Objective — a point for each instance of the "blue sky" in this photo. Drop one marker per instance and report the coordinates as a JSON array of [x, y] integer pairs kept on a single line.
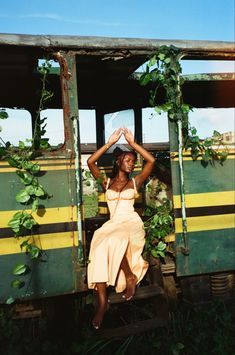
[[172, 19]]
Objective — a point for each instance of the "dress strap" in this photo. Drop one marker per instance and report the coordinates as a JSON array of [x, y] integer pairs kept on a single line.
[[107, 185], [133, 179]]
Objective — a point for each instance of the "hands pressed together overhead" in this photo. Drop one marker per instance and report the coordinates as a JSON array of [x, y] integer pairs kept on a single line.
[[116, 135]]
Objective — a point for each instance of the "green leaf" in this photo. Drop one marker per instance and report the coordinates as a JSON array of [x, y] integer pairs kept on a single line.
[[193, 131], [19, 269], [145, 79], [10, 300], [208, 142], [31, 167], [14, 223], [154, 253], [161, 246], [17, 284], [24, 244], [160, 253], [34, 252], [35, 205], [167, 60], [21, 145], [24, 177], [29, 223], [152, 61], [14, 161], [155, 219], [195, 139], [30, 189], [22, 196], [35, 169], [216, 134], [88, 174], [158, 109], [185, 108], [42, 120], [176, 348], [39, 191], [44, 142], [3, 115], [161, 56]]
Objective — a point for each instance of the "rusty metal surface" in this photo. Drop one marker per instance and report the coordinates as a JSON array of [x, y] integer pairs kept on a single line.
[[122, 46]]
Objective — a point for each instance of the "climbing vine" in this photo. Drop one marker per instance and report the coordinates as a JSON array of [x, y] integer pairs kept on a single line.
[[22, 158], [163, 70], [158, 225]]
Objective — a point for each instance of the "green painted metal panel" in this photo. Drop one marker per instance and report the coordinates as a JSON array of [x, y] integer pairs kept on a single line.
[[54, 276], [209, 251], [60, 184], [199, 179]]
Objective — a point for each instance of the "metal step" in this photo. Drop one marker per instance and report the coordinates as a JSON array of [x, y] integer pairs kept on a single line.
[[133, 328], [142, 292]]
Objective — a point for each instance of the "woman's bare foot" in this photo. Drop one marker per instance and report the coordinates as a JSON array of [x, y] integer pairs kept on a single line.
[[98, 318], [130, 287]]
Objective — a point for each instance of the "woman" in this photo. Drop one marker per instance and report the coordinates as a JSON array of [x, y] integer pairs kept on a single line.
[[115, 253]]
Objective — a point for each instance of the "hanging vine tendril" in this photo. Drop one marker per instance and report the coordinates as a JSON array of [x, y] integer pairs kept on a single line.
[[163, 70]]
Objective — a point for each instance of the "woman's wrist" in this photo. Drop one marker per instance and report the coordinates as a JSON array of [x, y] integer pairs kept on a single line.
[[132, 143]]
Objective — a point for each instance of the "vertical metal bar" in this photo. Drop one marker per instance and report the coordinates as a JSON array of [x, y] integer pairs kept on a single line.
[[185, 249], [138, 125], [72, 112], [100, 129]]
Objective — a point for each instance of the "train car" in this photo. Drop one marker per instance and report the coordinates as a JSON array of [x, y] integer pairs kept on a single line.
[[99, 74]]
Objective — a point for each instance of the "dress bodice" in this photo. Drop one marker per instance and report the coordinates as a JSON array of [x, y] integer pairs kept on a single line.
[[121, 203]]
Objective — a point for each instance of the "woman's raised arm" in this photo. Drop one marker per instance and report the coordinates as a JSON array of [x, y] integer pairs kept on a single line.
[[92, 160]]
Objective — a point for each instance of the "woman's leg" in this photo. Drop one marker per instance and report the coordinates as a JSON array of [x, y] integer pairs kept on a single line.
[[131, 279], [101, 306]]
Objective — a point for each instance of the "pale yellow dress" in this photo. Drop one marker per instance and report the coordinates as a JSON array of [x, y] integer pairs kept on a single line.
[[123, 233]]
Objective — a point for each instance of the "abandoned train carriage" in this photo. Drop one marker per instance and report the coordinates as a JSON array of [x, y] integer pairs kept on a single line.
[[97, 73]]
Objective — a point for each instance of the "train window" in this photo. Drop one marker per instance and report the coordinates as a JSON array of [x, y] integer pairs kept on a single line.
[[54, 126], [207, 66], [118, 119], [11, 128], [155, 126], [87, 124], [206, 120]]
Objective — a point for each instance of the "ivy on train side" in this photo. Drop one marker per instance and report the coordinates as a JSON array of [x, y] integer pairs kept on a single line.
[[163, 71], [21, 158]]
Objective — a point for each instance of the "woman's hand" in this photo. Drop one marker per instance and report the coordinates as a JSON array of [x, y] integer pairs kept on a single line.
[[128, 136], [115, 136]]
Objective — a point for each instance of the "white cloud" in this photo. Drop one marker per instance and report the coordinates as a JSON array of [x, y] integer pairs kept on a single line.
[[56, 17]]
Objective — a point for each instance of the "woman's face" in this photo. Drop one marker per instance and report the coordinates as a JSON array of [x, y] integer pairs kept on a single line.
[[126, 162]]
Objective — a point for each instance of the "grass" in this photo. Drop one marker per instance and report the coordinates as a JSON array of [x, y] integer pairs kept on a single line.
[[66, 330]]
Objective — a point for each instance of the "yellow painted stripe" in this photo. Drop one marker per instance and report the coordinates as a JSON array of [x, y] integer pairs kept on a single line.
[[206, 199], [170, 238], [42, 168], [199, 158], [46, 161], [188, 152], [204, 223], [45, 216], [45, 242]]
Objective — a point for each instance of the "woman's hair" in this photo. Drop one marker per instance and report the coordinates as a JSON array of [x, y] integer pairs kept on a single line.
[[119, 153]]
